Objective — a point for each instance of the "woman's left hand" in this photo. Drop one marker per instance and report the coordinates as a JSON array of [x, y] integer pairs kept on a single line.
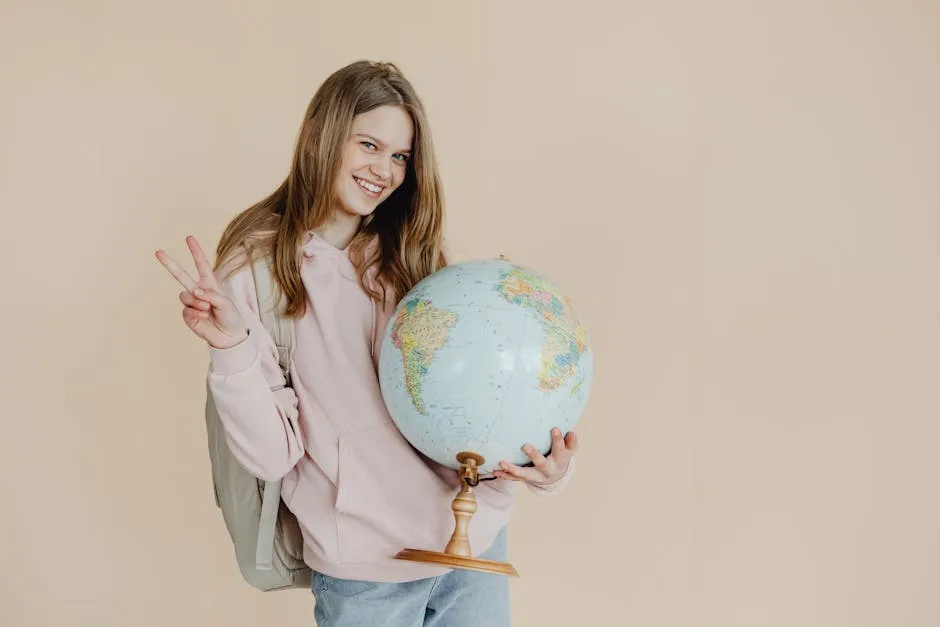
[[546, 470]]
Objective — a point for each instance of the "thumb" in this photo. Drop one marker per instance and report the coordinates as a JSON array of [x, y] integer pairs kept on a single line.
[[213, 297]]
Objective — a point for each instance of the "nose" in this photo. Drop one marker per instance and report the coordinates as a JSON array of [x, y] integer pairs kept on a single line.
[[381, 169]]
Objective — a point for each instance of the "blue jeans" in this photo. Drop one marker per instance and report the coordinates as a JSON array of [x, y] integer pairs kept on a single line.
[[460, 598]]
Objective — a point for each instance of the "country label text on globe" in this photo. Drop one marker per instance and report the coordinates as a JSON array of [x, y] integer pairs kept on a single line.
[[484, 356]]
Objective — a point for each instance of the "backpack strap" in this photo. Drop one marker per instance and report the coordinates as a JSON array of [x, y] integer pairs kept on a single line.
[[281, 329]]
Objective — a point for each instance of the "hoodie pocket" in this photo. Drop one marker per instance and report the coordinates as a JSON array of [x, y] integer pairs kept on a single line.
[[388, 497]]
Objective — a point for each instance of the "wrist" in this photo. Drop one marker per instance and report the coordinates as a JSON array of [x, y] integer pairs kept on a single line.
[[231, 342], [557, 481]]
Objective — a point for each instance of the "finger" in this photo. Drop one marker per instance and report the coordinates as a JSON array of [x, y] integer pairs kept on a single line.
[[561, 454], [499, 474], [558, 442], [211, 296], [189, 300], [572, 442], [202, 262], [192, 317], [176, 270], [537, 458], [523, 474]]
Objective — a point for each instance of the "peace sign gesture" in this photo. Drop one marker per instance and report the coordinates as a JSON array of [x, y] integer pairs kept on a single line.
[[206, 310]]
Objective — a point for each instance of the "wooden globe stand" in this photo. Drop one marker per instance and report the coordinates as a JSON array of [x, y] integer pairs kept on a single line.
[[457, 553]]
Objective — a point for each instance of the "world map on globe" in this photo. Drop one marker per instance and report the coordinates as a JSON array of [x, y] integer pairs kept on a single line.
[[484, 356]]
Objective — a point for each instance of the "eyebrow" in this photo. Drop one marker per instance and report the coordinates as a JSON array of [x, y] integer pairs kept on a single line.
[[378, 141]]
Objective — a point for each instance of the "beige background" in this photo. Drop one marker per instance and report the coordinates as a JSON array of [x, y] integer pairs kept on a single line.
[[740, 196]]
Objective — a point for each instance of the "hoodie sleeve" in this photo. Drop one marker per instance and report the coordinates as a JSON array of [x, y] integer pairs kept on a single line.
[[258, 411]]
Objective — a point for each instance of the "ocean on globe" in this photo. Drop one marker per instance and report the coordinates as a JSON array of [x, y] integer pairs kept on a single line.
[[484, 356]]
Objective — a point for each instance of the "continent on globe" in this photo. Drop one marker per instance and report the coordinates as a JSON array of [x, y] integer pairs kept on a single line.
[[419, 331], [484, 356], [565, 337]]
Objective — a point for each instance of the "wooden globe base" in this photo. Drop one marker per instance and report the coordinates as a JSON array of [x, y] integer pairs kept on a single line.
[[456, 561], [457, 553]]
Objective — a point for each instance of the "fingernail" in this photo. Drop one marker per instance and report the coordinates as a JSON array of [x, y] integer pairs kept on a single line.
[[198, 292]]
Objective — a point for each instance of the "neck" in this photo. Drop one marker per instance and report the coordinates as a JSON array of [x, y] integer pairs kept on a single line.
[[340, 230]]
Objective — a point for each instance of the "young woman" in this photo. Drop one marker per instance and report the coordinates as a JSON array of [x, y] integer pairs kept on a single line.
[[356, 224]]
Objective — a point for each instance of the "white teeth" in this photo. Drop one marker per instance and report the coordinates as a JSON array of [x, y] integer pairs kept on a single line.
[[375, 189]]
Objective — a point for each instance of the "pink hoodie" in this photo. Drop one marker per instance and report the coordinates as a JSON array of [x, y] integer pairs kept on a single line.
[[360, 492]]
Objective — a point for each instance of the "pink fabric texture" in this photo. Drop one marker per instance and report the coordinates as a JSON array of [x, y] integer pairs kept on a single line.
[[359, 490]]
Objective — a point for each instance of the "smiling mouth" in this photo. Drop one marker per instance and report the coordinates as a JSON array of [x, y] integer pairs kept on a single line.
[[369, 187]]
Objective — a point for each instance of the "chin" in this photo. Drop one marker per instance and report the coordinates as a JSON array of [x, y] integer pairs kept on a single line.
[[359, 210], [363, 209]]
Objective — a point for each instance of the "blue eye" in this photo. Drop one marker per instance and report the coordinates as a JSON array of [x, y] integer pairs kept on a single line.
[[401, 157], [368, 145]]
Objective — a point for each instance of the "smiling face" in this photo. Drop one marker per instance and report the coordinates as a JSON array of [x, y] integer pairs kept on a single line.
[[375, 159]]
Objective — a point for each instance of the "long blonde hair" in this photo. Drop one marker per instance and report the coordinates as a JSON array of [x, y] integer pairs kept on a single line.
[[408, 225]]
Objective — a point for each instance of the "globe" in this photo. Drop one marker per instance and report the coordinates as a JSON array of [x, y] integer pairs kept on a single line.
[[484, 356]]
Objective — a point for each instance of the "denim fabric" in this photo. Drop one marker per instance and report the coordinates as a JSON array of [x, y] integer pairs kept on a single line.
[[460, 598]]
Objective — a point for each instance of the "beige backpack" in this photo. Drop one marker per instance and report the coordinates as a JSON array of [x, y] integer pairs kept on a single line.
[[267, 539]]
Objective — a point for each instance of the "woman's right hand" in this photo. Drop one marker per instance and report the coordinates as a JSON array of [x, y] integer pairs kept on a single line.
[[206, 310]]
